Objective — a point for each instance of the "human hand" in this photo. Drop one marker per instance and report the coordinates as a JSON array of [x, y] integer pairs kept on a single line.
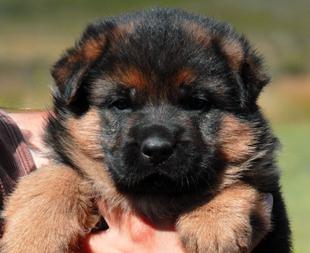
[[130, 233]]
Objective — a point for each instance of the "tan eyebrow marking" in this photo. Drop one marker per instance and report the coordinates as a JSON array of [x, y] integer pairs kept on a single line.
[[130, 76], [184, 76]]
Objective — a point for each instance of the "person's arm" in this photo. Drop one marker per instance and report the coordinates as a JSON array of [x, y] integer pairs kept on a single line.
[[15, 157]]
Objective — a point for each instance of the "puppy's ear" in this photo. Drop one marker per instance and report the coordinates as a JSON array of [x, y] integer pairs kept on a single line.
[[247, 67], [252, 78], [69, 71]]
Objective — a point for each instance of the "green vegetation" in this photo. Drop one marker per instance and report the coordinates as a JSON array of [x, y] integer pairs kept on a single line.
[[35, 32], [294, 162]]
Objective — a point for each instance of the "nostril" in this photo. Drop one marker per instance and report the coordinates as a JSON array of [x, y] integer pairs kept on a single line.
[[156, 149]]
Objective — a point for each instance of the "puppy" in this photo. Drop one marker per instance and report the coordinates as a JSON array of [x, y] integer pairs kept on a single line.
[[155, 112]]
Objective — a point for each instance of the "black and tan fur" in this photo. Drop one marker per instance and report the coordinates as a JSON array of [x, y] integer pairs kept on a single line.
[[193, 82]]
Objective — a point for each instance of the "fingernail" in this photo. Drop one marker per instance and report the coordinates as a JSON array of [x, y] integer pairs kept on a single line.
[[269, 201]]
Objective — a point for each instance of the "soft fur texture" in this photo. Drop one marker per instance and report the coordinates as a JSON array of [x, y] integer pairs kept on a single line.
[[160, 76]]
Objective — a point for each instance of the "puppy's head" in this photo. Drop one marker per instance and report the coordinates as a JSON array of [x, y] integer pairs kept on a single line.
[[164, 99]]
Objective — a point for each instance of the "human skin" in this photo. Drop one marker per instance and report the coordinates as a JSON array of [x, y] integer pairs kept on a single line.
[[130, 233], [127, 232]]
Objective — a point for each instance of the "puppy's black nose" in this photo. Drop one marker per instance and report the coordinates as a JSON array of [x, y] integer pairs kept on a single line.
[[157, 149]]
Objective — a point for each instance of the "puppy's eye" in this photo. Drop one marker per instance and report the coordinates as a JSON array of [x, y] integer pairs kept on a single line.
[[121, 104], [196, 103]]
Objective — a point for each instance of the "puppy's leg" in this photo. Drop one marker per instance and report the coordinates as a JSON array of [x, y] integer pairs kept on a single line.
[[47, 213], [234, 221]]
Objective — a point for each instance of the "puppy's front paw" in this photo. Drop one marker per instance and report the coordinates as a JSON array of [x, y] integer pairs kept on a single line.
[[215, 234], [47, 213], [225, 224]]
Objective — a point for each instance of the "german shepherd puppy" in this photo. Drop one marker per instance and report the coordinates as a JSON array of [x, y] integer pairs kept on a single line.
[[155, 112]]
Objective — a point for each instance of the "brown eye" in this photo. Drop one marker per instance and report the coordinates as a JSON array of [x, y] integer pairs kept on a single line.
[[121, 104], [196, 104]]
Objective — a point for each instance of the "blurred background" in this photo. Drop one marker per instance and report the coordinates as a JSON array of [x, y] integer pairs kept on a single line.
[[33, 34]]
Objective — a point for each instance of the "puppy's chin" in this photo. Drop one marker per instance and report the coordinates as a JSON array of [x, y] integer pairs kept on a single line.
[[157, 184], [162, 184]]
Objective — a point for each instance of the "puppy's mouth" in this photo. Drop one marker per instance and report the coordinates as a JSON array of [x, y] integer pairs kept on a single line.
[[158, 183], [152, 184], [184, 170]]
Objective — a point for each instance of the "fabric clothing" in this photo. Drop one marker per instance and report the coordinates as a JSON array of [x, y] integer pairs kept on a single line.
[[15, 157]]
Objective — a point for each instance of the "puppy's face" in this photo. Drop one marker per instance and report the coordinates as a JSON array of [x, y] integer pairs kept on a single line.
[[174, 98], [158, 132]]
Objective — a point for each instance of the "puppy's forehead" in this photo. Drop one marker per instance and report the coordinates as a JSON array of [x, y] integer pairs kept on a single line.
[[158, 57]]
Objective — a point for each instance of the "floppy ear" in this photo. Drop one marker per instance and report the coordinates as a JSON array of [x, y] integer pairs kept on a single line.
[[253, 78], [247, 67], [69, 71]]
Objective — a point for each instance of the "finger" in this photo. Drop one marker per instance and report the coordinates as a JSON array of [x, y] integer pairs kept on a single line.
[[137, 229], [169, 241], [264, 210], [269, 202], [113, 216], [101, 243], [126, 223], [112, 242]]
